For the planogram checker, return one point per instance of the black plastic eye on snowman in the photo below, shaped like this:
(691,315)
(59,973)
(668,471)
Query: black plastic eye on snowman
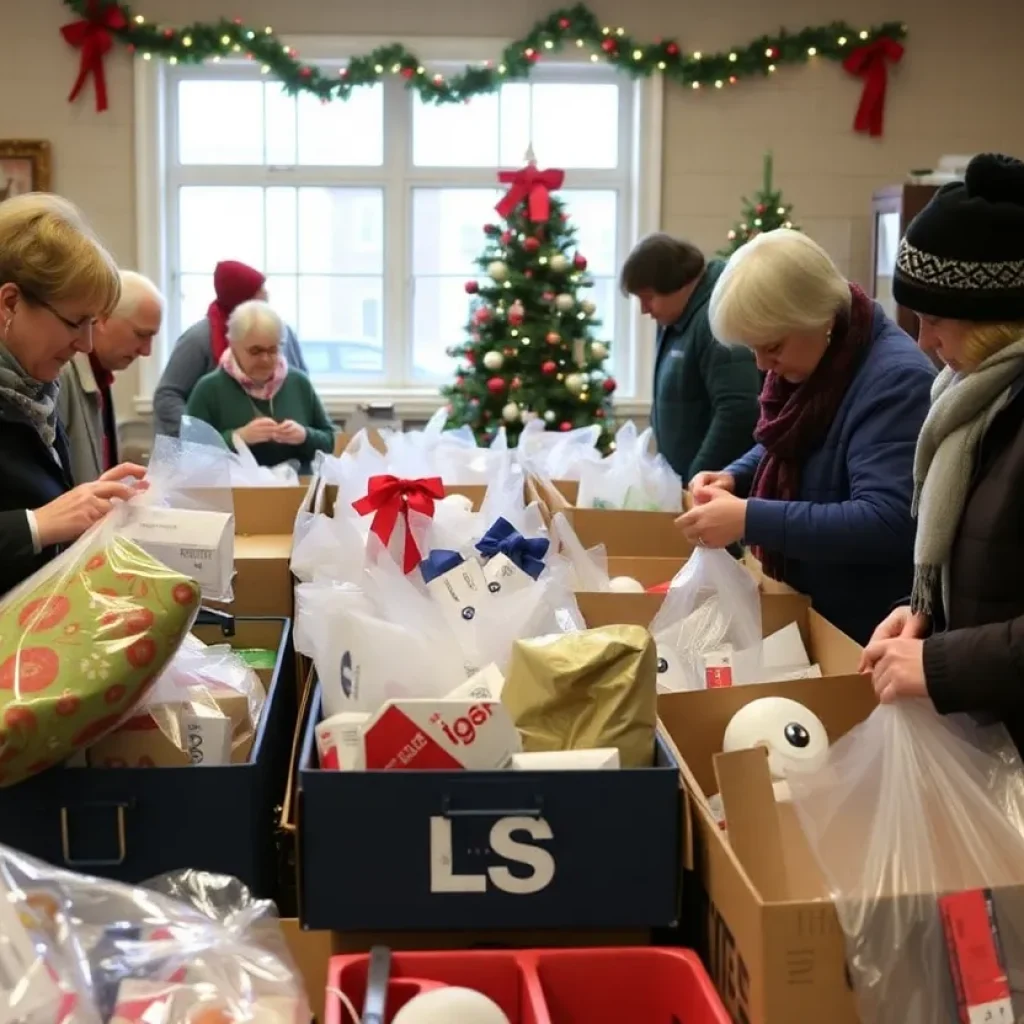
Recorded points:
(797,735)
(662,665)
(468,613)
(494,586)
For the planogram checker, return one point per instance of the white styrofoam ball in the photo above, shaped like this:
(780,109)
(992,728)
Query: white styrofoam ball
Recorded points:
(498,270)
(625,585)
(559,264)
(793,735)
(458,501)
(510,413)
(445,1005)
(493,360)
(564,302)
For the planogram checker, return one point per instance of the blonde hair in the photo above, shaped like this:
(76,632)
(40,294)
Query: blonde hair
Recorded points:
(779,282)
(254,317)
(52,255)
(135,289)
(984,340)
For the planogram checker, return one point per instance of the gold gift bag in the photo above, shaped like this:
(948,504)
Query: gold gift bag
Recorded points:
(579,691)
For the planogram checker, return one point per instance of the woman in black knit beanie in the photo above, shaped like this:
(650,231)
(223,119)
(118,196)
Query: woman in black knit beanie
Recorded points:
(960,639)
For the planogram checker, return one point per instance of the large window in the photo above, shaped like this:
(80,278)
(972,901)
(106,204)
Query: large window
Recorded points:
(367,215)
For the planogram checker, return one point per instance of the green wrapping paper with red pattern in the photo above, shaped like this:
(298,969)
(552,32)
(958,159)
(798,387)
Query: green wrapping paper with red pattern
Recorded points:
(81,642)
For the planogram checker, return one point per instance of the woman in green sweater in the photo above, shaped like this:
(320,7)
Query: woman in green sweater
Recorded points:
(254,396)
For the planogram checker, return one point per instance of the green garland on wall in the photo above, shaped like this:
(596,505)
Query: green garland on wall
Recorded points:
(572,28)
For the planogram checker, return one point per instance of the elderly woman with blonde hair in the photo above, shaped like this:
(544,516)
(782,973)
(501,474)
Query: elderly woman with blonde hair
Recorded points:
(256,398)
(824,497)
(56,281)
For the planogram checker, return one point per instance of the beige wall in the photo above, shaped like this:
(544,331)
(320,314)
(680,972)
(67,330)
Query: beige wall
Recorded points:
(959,90)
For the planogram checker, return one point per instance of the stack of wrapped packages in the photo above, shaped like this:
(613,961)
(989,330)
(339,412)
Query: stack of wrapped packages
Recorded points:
(96,662)
(446,634)
(188,949)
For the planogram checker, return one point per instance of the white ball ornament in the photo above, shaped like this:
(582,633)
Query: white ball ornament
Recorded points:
(493,360)
(458,502)
(598,349)
(588,307)
(446,1005)
(549,416)
(793,735)
(574,383)
(558,263)
(510,413)
(564,302)
(498,271)
(625,585)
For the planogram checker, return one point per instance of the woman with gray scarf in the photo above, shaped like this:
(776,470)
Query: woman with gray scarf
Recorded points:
(56,280)
(960,640)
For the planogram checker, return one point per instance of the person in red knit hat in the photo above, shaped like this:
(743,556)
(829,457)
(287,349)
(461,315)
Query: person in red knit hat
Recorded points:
(199,350)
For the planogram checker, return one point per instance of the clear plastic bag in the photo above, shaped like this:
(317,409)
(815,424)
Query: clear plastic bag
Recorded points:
(631,477)
(81,950)
(240,467)
(917,824)
(589,567)
(206,706)
(557,456)
(710,620)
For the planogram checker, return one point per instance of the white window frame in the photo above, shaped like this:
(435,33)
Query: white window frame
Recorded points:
(639,216)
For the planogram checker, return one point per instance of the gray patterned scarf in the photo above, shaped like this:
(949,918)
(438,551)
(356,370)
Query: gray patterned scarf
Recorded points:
(963,406)
(36,401)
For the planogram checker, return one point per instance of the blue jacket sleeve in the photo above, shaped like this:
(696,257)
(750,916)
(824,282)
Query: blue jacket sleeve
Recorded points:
(743,469)
(874,524)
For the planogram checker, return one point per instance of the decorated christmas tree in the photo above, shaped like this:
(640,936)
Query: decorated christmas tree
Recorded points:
(765,212)
(530,350)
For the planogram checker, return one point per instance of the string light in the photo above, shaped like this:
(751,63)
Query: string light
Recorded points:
(841,40)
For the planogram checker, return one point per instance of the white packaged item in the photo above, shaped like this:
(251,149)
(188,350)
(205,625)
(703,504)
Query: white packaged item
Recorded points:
(632,477)
(486,684)
(339,741)
(567,760)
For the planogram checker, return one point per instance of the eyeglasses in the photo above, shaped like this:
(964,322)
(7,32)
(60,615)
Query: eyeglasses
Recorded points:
(83,327)
(256,352)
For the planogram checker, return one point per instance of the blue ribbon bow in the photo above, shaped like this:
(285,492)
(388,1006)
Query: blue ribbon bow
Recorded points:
(438,562)
(504,539)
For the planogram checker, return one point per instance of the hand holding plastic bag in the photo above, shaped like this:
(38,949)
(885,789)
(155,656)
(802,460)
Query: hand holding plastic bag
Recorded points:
(917,823)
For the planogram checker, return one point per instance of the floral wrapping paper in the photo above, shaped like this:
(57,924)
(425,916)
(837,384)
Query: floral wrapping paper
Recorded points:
(82,648)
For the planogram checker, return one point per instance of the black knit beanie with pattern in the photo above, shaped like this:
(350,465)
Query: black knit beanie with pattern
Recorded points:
(963,254)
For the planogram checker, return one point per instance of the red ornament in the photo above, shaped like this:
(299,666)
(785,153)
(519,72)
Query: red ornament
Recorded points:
(527,273)
(760,207)
(472,287)
(510,353)
(565,426)
(672,49)
(490,229)
(579,261)
(548,368)
(460,382)
(563,23)
(237,21)
(548,296)
(609,46)
(531,244)
(306,72)
(169,33)
(471,358)
(506,237)
(609,385)
(407,73)
(516,383)
(553,338)
(599,413)
(496,385)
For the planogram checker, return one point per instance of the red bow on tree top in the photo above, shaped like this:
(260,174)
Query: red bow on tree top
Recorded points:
(92,35)
(531,185)
(388,497)
(871,63)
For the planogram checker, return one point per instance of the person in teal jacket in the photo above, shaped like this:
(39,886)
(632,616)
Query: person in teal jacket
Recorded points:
(705,403)
(256,398)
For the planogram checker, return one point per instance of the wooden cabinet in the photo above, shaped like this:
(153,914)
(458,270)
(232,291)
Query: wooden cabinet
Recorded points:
(892,210)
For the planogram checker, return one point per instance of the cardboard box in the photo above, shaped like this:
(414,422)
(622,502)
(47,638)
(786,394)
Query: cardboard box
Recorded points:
(769,933)
(649,572)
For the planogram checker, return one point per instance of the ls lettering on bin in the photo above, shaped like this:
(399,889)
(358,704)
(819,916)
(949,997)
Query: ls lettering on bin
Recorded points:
(504,844)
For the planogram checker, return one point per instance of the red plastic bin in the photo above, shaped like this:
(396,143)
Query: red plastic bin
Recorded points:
(633,985)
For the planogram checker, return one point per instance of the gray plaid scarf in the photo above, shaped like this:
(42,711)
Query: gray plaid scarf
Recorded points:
(36,401)
(963,406)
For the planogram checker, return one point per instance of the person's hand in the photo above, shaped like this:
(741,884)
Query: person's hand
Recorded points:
(66,518)
(261,429)
(700,484)
(290,432)
(720,520)
(897,668)
(900,622)
(124,471)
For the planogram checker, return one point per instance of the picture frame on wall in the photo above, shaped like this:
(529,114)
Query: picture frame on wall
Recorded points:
(24,167)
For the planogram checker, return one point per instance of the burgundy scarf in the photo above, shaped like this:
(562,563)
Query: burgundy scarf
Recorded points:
(796,417)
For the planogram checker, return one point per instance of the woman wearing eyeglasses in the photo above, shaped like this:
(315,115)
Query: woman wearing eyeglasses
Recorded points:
(56,280)
(256,398)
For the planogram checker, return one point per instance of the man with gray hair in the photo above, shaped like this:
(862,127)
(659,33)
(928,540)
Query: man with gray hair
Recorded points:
(85,404)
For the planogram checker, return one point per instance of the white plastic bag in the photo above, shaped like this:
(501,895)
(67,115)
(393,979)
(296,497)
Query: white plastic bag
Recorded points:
(241,466)
(631,477)
(557,456)
(710,621)
(917,823)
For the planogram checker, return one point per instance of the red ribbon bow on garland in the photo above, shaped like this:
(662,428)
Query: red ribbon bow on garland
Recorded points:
(871,63)
(531,185)
(92,35)
(388,497)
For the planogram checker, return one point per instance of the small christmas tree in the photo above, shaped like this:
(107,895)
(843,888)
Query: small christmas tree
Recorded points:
(531,351)
(766,212)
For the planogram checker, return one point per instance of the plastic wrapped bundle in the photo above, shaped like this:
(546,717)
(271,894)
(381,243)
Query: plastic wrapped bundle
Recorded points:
(80,950)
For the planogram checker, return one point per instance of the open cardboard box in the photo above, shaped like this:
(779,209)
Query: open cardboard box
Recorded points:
(769,933)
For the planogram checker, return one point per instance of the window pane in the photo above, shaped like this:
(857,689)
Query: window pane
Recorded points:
(341,231)
(334,314)
(594,214)
(196,296)
(448,228)
(440,309)
(219,223)
(282,120)
(552,118)
(220,122)
(456,134)
(340,133)
(282,294)
(282,231)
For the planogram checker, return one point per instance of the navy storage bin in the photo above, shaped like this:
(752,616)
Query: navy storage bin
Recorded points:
(131,824)
(440,850)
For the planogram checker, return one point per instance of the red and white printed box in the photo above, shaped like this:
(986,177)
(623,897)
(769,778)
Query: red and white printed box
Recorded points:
(441,735)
